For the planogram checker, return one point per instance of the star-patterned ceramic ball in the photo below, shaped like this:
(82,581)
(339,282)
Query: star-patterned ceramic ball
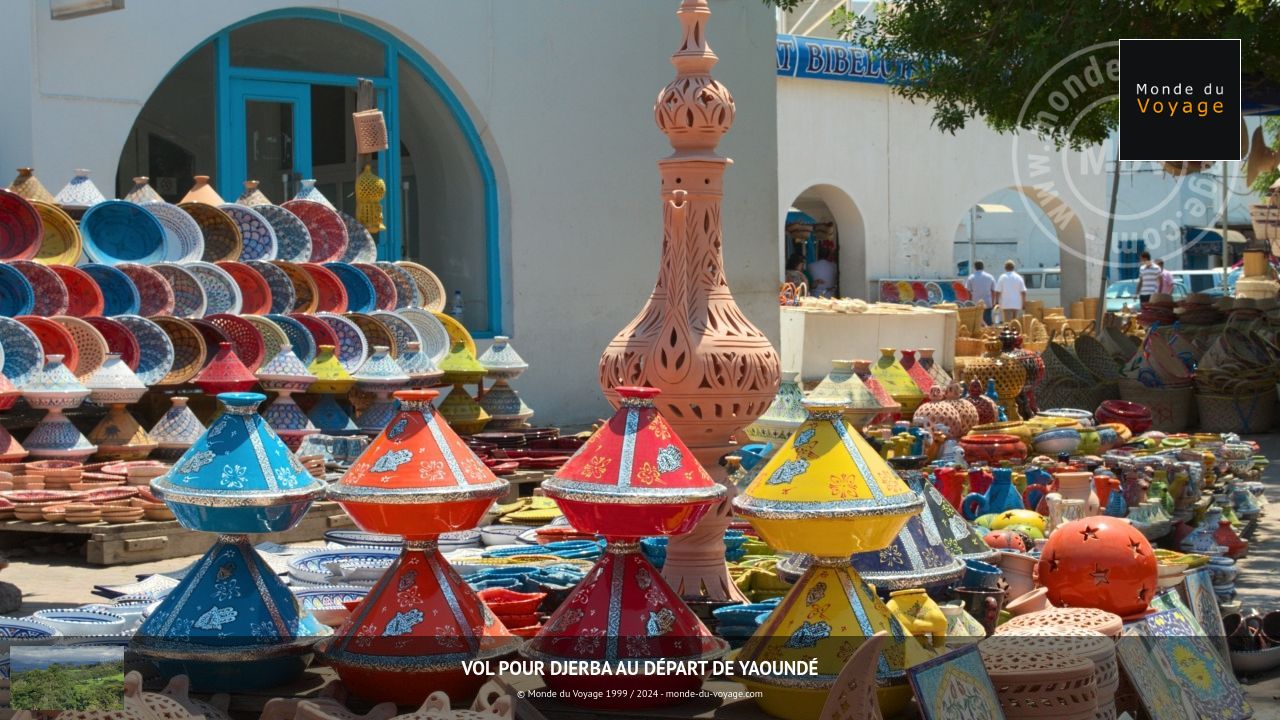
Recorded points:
(1099,562)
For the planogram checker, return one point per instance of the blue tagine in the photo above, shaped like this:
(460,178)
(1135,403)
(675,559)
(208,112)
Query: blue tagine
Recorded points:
(231,623)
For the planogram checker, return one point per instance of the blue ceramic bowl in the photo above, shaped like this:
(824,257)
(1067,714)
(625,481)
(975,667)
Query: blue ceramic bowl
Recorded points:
(120,231)
(980,575)
(1058,440)
(235,520)
(119,294)
(16,295)
(361,297)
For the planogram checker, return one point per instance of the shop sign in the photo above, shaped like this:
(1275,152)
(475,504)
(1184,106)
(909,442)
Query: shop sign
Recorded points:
(806,57)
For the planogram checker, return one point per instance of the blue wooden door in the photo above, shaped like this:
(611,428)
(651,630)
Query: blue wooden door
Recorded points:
(270,136)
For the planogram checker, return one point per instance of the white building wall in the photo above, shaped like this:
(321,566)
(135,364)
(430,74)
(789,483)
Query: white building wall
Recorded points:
(562,92)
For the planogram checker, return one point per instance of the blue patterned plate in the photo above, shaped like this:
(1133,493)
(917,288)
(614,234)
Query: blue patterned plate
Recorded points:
(23,353)
(326,601)
(188,294)
(353,348)
(155,348)
(402,331)
(361,247)
(407,292)
(361,297)
(356,566)
(283,294)
(183,240)
(256,232)
(435,338)
(119,294)
(301,339)
(293,240)
(119,231)
(16,295)
(222,294)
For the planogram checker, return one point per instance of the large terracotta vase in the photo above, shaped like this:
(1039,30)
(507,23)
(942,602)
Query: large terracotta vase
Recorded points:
(716,370)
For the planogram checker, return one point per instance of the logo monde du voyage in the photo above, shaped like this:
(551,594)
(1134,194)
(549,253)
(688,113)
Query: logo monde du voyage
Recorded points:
(1180,99)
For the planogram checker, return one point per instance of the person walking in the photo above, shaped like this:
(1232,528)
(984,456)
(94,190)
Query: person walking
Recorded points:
(1011,290)
(980,285)
(1166,279)
(1148,278)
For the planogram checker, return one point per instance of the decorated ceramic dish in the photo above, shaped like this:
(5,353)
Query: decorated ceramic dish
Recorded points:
(16,295)
(350,566)
(255,293)
(300,338)
(361,247)
(257,236)
(155,294)
(293,240)
(305,292)
(457,332)
(61,244)
(84,297)
(78,622)
(155,349)
(119,231)
(222,294)
(407,292)
(327,602)
(375,332)
(23,354)
(21,227)
(283,297)
(49,290)
(245,339)
(273,338)
(430,287)
(352,347)
(189,349)
(119,340)
(221,234)
(402,331)
(188,293)
(91,344)
(432,333)
(361,296)
(331,294)
(54,339)
(184,242)
(213,337)
(328,232)
(384,288)
(119,296)
(320,331)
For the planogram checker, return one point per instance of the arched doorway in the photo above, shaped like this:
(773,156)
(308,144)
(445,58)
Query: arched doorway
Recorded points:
(270,98)
(824,224)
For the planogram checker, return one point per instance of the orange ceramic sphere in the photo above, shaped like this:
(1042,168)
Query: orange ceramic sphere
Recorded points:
(1099,562)
(1006,540)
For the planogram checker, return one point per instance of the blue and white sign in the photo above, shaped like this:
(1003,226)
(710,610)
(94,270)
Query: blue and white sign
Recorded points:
(806,57)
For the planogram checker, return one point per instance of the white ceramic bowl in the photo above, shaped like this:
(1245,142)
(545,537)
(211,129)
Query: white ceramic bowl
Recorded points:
(83,623)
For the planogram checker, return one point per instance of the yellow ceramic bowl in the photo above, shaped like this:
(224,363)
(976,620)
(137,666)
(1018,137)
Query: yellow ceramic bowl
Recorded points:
(832,537)
(1040,423)
(1018,517)
(1016,428)
(804,704)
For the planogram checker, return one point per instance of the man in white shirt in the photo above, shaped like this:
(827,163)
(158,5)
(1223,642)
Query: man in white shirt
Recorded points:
(823,273)
(980,284)
(1011,290)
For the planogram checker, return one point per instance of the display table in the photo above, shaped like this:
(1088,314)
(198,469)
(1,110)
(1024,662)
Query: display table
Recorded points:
(811,339)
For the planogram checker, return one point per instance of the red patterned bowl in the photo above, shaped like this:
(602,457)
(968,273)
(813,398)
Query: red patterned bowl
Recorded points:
(119,339)
(1132,415)
(84,297)
(54,338)
(304,287)
(331,294)
(21,228)
(155,294)
(50,291)
(255,293)
(245,339)
(993,449)
(328,232)
(384,288)
(213,337)
(319,329)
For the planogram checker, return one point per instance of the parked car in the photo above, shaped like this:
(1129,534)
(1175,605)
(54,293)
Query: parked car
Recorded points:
(1124,293)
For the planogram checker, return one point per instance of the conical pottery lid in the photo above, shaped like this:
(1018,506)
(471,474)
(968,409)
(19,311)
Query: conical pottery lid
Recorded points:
(230,601)
(462,412)
(142,192)
(501,401)
(841,386)
(329,417)
(417,459)
(634,458)
(54,436)
(286,367)
(896,381)
(252,195)
(225,373)
(862,368)
(331,376)
(502,360)
(381,369)
(113,381)
(54,380)
(119,429)
(419,616)
(202,192)
(827,472)
(788,404)
(79,192)
(8,393)
(656,623)
(418,364)
(308,191)
(178,427)
(238,462)
(461,366)
(29,186)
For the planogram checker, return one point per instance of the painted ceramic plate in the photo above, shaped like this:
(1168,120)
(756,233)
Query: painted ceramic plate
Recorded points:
(402,330)
(184,242)
(54,339)
(61,244)
(305,292)
(320,331)
(257,236)
(361,247)
(245,339)
(384,288)
(212,334)
(357,565)
(189,349)
(23,354)
(16,295)
(361,296)
(293,240)
(273,338)
(21,228)
(431,332)
(155,294)
(117,231)
(119,340)
(119,296)
(328,232)
(50,292)
(255,293)
(222,294)
(92,346)
(407,292)
(283,297)
(188,294)
(430,287)
(221,234)
(457,331)
(155,349)
(375,332)
(300,338)
(84,298)
(331,294)
(352,347)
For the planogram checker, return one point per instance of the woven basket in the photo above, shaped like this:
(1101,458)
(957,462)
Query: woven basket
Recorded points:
(370,131)
(1094,356)
(1060,364)
(966,344)
(970,316)
(1250,413)
(1172,409)
(1069,393)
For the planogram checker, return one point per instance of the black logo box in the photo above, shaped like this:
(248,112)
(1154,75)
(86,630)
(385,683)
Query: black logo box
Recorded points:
(1186,68)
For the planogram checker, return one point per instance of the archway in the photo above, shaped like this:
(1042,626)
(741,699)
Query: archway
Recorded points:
(270,98)
(824,220)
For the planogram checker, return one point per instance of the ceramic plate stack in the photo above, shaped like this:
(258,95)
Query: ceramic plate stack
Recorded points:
(328,231)
(222,294)
(293,240)
(50,292)
(188,294)
(183,239)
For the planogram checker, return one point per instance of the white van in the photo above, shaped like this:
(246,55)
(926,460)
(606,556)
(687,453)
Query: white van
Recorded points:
(1043,284)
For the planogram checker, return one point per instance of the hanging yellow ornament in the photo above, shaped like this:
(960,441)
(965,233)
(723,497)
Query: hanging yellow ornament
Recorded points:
(369,191)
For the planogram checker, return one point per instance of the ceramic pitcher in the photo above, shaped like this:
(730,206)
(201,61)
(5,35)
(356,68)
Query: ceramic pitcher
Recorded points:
(1001,496)
(919,614)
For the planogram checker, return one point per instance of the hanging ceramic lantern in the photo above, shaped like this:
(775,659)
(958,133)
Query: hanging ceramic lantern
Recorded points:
(370,190)
(370,130)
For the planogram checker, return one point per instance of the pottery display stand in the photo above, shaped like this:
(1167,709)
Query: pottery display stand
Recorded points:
(717,371)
